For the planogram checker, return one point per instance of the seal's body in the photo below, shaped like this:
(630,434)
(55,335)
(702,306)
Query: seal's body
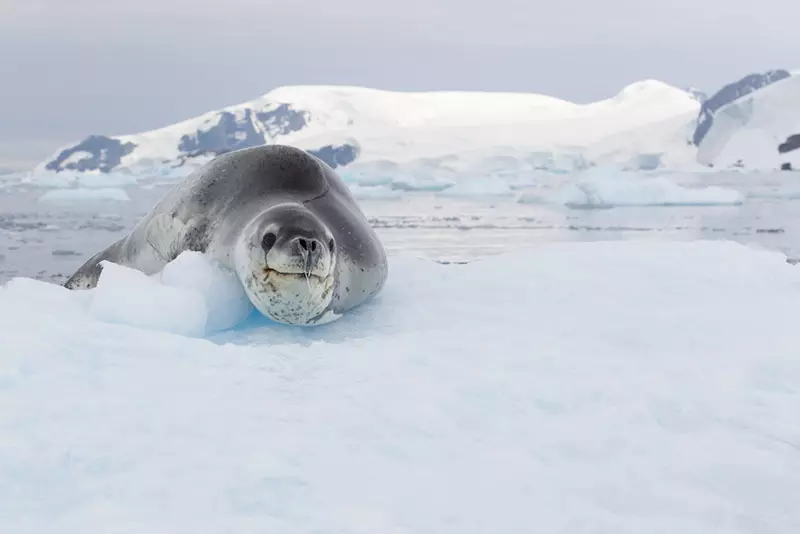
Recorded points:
(277,216)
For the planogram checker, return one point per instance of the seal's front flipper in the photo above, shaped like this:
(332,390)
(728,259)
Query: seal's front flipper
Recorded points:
(169,236)
(164,233)
(87,276)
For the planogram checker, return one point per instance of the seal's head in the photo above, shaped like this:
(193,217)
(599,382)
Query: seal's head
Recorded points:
(286,260)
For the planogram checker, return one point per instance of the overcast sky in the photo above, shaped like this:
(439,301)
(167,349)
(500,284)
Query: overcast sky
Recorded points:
(73,67)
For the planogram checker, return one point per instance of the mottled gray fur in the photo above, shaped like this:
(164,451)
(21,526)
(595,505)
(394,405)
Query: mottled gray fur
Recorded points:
(208,211)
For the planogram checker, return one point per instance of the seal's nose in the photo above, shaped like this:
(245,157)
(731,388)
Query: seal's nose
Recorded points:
(307,244)
(310,249)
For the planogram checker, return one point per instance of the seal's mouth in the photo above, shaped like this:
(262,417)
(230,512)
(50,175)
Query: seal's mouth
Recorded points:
(269,272)
(289,297)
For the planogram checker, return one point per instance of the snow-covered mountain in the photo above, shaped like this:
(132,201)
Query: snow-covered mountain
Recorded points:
(647,124)
(759,130)
(753,123)
(730,93)
(699,95)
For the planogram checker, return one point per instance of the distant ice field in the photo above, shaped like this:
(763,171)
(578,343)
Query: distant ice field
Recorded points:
(50,224)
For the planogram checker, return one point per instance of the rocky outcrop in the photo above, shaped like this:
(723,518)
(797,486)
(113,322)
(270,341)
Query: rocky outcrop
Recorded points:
(221,133)
(233,133)
(95,153)
(791,143)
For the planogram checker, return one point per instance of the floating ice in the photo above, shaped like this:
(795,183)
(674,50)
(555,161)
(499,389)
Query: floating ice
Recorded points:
(106,180)
(51,180)
(367,180)
(602,189)
(73,179)
(419,183)
(85,194)
(478,187)
(374,193)
(369,174)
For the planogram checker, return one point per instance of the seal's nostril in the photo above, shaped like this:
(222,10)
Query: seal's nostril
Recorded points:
(269,240)
(313,245)
(303,243)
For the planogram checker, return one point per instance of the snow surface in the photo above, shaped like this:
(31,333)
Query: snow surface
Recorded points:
(192,296)
(606,188)
(748,130)
(645,117)
(600,387)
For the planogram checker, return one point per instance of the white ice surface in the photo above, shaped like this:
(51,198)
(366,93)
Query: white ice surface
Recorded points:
(70,179)
(623,387)
(373,192)
(192,296)
(604,188)
(84,194)
(486,186)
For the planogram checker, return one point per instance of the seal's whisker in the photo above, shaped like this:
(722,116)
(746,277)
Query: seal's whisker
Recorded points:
(307,273)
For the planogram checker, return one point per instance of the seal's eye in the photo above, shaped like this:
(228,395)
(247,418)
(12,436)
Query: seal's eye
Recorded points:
(268,241)
(330,245)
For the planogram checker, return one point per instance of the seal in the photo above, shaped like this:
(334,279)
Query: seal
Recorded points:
(277,216)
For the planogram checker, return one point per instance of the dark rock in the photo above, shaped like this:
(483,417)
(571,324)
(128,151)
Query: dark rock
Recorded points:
(103,154)
(282,120)
(228,134)
(231,133)
(792,143)
(336,156)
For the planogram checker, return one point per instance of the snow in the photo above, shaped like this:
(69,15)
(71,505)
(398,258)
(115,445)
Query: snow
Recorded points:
(129,297)
(607,188)
(192,296)
(406,126)
(226,303)
(80,194)
(620,387)
(748,130)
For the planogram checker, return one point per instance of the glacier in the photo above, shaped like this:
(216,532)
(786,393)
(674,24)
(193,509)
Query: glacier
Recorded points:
(345,124)
(607,387)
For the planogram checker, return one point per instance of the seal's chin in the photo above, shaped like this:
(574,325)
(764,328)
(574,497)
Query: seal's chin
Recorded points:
(290,297)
